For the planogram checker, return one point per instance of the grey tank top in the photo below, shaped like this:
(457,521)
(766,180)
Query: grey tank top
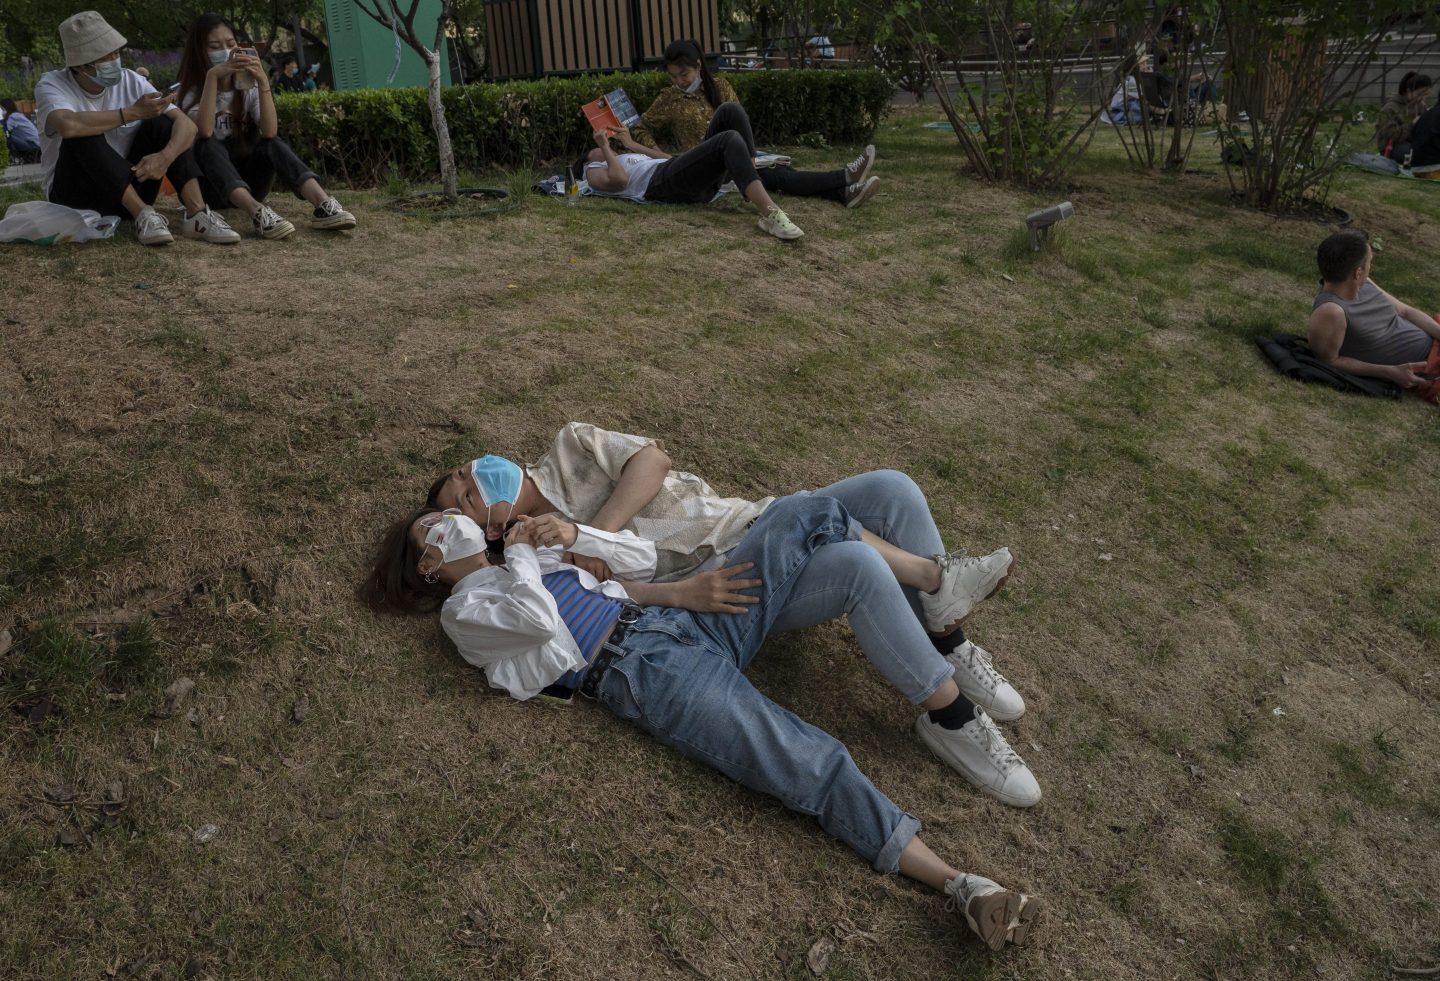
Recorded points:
(1374,332)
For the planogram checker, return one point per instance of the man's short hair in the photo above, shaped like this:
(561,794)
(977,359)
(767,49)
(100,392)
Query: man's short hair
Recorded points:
(1341,254)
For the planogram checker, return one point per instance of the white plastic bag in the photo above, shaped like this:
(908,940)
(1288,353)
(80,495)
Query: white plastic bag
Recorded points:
(43,223)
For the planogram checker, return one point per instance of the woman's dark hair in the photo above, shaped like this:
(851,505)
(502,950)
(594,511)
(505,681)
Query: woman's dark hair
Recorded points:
(9,106)
(688,54)
(394,584)
(1414,81)
(195,64)
(1341,254)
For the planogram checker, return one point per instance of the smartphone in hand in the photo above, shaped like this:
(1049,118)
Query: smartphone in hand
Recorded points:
(243,80)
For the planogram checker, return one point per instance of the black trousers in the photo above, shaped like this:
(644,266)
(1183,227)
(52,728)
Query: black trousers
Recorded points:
(828,184)
(227,166)
(694,176)
(90,174)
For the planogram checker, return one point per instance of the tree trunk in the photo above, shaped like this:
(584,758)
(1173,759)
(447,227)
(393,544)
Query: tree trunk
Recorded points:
(449,178)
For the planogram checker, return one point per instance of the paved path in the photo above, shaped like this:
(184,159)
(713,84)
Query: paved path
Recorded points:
(21,174)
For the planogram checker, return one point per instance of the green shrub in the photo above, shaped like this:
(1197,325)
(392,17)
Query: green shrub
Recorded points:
(4,153)
(372,136)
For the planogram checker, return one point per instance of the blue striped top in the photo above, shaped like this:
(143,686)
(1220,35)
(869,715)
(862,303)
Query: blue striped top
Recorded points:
(587,615)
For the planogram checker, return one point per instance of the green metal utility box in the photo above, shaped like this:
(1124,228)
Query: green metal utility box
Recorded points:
(362,53)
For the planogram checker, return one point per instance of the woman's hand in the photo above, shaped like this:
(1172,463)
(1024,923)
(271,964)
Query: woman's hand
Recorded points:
(519,533)
(718,591)
(598,568)
(602,138)
(551,529)
(622,133)
(255,69)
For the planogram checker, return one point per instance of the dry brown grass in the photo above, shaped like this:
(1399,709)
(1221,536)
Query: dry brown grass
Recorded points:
(213,451)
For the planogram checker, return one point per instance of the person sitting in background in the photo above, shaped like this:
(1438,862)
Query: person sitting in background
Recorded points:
(311,74)
(20,134)
(697,105)
(238,149)
(107,138)
(289,78)
(1357,327)
(1399,115)
(1425,144)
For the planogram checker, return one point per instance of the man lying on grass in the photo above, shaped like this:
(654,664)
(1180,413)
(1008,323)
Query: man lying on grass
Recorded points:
(617,482)
(536,625)
(1359,328)
(644,173)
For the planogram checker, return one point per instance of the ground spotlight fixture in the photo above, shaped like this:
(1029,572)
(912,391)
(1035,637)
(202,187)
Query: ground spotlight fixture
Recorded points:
(1040,221)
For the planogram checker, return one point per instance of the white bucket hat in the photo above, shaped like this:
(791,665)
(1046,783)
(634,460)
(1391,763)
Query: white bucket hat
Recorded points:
(86,37)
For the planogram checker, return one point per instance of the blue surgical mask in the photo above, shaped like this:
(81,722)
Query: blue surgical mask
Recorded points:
(107,73)
(693,86)
(218,58)
(498,481)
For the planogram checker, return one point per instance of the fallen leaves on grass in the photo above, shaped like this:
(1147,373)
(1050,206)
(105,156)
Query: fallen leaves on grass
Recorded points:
(174,695)
(300,711)
(818,957)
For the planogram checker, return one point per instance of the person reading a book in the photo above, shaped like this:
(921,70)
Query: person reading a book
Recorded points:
(698,104)
(643,174)
(535,626)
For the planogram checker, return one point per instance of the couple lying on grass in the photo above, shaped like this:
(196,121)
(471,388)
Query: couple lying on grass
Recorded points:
(637,586)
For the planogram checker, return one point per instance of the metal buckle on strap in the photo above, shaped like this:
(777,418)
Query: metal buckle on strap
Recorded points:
(629,613)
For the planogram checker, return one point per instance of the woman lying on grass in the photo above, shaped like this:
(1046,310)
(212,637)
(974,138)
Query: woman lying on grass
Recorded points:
(536,626)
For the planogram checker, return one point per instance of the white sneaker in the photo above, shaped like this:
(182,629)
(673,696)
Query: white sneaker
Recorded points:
(981,755)
(207,225)
(858,169)
(269,224)
(983,685)
(964,583)
(331,217)
(151,228)
(778,223)
(996,914)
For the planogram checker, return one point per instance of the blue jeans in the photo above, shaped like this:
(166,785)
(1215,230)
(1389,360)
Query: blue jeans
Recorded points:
(681,681)
(852,580)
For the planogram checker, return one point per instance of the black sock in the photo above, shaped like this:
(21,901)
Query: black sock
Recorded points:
(946,643)
(954,715)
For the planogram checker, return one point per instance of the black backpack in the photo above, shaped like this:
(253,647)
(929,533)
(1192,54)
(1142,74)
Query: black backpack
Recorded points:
(1291,356)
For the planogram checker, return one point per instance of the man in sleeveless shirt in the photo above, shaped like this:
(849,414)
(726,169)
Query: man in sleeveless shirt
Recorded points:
(1359,328)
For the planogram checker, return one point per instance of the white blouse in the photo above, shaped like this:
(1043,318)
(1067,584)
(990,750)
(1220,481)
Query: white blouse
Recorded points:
(504,621)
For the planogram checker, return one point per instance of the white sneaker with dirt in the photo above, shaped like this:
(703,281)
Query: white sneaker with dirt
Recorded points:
(269,224)
(858,169)
(964,583)
(996,914)
(983,685)
(861,191)
(981,755)
(151,228)
(331,217)
(209,227)
(778,223)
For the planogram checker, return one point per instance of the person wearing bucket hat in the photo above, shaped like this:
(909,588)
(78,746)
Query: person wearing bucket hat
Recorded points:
(107,138)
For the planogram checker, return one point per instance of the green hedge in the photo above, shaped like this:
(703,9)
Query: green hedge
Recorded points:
(364,136)
(4,153)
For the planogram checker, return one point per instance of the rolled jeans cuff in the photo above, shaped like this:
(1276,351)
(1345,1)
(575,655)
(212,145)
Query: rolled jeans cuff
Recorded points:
(888,861)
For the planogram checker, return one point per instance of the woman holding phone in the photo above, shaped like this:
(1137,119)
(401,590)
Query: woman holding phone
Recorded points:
(224,88)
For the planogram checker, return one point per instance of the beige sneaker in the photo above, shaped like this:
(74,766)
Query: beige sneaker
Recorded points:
(778,223)
(996,914)
(965,582)
(151,228)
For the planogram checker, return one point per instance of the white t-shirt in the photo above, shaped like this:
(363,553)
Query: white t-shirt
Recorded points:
(226,125)
(59,90)
(639,167)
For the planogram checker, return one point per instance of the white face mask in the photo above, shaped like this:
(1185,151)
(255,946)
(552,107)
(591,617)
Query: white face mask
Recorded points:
(107,73)
(455,537)
(219,57)
(695,84)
